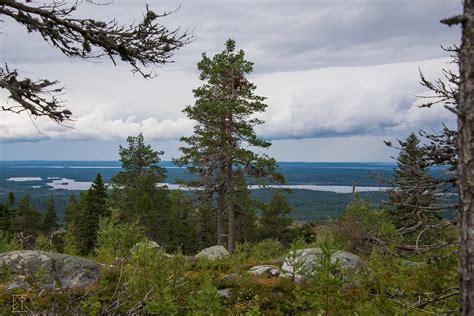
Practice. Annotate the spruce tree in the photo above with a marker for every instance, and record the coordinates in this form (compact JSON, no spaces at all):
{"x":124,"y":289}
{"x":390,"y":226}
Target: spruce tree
{"x":50,"y":221}
{"x":245,"y":210}
{"x":224,"y":136}
{"x":411,"y":192}
{"x":7,"y":215}
{"x":207,"y":224}
{"x":182,"y":224}
{"x":274,"y":222}
{"x":4,"y":218}
{"x":135,"y":192}
{"x":72,"y":211}
{"x":26,"y":217}
{"x":93,"y":207}
{"x":10,"y":199}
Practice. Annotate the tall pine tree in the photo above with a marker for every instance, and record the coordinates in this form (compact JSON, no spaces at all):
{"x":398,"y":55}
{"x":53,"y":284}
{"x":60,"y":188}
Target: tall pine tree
{"x":465,"y":166}
{"x":224,"y":136}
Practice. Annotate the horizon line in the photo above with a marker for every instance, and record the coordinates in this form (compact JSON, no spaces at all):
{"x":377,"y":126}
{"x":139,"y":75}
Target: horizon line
{"x":279,"y":161}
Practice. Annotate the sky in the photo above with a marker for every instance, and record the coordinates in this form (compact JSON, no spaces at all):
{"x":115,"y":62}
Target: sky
{"x":340,"y":77}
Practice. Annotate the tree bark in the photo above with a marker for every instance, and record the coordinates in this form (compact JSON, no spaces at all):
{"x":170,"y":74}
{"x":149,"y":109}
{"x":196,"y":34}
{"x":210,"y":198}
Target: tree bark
{"x":220,"y":216}
{"x":466,"y":159}
{"x":230,"y":208}
{"x":230,"y":174}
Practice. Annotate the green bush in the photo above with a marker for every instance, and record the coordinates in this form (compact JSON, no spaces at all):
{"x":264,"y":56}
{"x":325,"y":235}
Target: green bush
{"x":7,"y":244}
{"x":266,"y":250}
{"x":115,"y":239}
{"x":206,"y":300}
{"x":70,"y":242}
{"x":42,"y":243}
{"x":363,"y":226}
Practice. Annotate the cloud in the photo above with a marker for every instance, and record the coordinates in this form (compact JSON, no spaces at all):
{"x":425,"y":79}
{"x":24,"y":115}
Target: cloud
{"x":94,"y":126}
{"x":374,"y":100}
{"x":279,"y":35}
{"x":330,"y":69}
{"x":328,"y":102}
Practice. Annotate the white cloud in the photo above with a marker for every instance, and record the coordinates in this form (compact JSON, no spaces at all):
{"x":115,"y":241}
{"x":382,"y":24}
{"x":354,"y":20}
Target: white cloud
{"x":375,"y":100}
{"x":327,"y":102}
{"x":93,"y":126}
{"x":304,"y":53}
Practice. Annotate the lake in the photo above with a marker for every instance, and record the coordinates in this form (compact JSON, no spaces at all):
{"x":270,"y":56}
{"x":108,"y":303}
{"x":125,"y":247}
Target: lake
{"x":78,"y":175}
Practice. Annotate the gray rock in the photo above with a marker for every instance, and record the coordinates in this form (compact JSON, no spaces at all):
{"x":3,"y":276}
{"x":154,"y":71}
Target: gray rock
{"x":149,"y":243}
{"x":230,"y":277}
{"x":303,"y":262}
{"x":51,"y":270}
{"x":347,"y":260}
{"x":152,"y":245}
{"x":212,"y":253}
{"x":18,"y":283}
{"x":300,"y":262}
{"x":265,"y":270}
{"x":224,"y":293}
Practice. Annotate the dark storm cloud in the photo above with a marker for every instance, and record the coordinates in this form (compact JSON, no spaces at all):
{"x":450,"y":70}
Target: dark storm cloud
{"x":282,"y":35}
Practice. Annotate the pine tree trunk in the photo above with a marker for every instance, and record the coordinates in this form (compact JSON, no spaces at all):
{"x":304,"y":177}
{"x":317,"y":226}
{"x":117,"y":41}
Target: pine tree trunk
{"x":230,"y":175}
{"x":230,"y":208}
{"x":220,"y":216}
{"x":466,"y":159}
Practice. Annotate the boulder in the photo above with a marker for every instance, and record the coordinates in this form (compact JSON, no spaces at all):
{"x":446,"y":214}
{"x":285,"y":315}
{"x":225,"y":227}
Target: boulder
{"x":347,"y":260}
{"x":149,"y":243}
{"x":233,"y":277}
{"x":226,"y":293}
{"x":17,"y":283}
{"x":265,"y":270}
{"x":303,"y":262}
{"x":300,"y":262}
{"x":51,"y":270}
{"x":152,"y":245}
{"x":212,"y":253}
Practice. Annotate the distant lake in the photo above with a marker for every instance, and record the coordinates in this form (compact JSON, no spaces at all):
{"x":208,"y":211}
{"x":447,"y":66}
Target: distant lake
{"x":71,"y":184}
{"x":78,"y":175}
{"x":23,"y":179}
{"x":321,"y":190}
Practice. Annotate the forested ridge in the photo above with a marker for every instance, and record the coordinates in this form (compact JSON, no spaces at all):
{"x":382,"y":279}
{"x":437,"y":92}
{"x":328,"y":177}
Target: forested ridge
{"x":216,"y":248}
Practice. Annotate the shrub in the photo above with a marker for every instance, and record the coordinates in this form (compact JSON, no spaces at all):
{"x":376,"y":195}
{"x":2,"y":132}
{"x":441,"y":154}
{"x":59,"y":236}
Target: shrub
{"x":70,"y":243}
{"x":206,"y":300}
{"x":115,"y":239}
{"x":42,"y":243}
{"x":7,"y":244}
{"x":149,"y":281}
{"x":362,"y":227}
{"x":267,"y":249}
